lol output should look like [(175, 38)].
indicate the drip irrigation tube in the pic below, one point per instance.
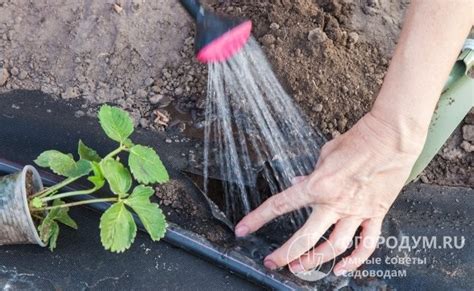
[(180, 238)]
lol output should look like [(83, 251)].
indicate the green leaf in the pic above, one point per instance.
[(97, 170), (36, 202), (63, 164), (58, 162), (86, 153), (128, 143), (49, 232), (116, 123), (53, 236), (81, 168), (146, 165), (117, 175), (43, 159), (64, 218), (117, 228), (98, 179), (149, 213), (49, 228), (45, 229), (142, 192), (61, 215)]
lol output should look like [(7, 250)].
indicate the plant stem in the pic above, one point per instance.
[(48, 191), (113, 199), (37, 216), (54, 188), (69, 194), (115, 152)]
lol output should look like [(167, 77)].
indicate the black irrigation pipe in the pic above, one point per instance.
[(177, 237)]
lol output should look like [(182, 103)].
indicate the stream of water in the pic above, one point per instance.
[(253, 130)]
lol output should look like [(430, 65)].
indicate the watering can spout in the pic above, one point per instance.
[(218, 38)]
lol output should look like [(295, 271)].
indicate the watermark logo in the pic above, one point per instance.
[(390, 265), (321, 269)]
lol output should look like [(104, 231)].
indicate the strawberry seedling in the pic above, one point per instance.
[(117, 226)]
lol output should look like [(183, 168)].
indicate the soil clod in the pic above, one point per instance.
[(3, 76)]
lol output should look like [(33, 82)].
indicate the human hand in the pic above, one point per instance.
[(357, 178)]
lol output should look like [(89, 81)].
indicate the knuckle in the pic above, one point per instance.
[(340, 247), (310, 187), (312, 262), (310, 195), (318, 187), (319, 183), (278, 205)]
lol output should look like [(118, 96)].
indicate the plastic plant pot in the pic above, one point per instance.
[(16, 223)]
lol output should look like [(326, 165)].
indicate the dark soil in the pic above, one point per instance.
[(30, 189), (174, 196)]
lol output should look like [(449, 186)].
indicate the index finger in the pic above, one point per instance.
[(303, 240), (291, 199)]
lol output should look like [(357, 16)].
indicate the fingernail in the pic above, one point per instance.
[(297, 268), (269, 264), (340, 272), (241, 231)]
